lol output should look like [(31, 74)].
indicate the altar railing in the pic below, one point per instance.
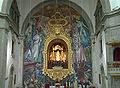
[(114, 67)]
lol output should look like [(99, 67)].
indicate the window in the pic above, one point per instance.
[(14, 79), (14, 12), (116, 56), (98, 12), (12, 48), (101, 46), (99, 78)]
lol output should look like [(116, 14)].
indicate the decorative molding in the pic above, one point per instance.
[(101, 24), (12, 24), (113, 68), (114, 43)]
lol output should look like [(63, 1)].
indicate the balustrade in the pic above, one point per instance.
[(114, 67)]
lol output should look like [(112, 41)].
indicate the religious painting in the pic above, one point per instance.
[(57, 49), (33, 57), (82, 52)]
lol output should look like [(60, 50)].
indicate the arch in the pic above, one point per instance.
[(62, 44), (10, 83), (69, 3), (77, 44), (116, 54)]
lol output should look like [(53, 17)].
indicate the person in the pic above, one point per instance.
[(79, 54), (36, 46)]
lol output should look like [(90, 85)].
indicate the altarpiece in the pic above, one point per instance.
[(57, 51)]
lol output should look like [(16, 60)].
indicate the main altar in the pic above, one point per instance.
[(57, 51), (57, 48)]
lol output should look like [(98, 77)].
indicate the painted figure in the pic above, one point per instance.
[(33, 58)]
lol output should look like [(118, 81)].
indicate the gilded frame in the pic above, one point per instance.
[(57, 32)]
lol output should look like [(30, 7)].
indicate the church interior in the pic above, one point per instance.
[(59, 43)]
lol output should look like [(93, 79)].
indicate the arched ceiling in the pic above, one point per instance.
[(86, 12), (49, 10), (89, 6)]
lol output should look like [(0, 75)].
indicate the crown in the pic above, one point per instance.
[(57, 19)]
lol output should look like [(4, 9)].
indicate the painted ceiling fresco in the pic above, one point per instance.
[(49, 10), (34, 44)]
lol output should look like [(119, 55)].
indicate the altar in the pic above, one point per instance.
[(57, 51)]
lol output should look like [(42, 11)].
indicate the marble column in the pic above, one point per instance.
[(21, 62), (3, 51)]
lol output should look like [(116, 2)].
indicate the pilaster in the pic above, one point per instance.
[(3, 50), (21, 62)]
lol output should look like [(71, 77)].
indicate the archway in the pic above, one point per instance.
[(35, 32), (68, 3)]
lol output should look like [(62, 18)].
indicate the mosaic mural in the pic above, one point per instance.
[(34, 44)]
